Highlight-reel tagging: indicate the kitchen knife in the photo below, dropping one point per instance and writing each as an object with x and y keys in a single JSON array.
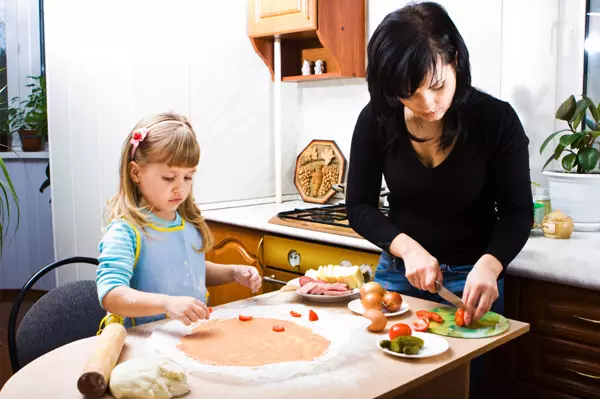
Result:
[{"x": 449, "y": 296}]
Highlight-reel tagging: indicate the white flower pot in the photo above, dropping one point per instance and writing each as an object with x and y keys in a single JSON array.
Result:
[{"x": 577, "y": 195}]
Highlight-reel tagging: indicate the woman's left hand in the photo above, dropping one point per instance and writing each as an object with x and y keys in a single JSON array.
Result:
[
  {"x": 247, "y": 276},
  {"x": 481, "y": 288}
]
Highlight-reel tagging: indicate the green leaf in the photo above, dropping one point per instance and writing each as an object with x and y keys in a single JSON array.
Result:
[
  {"x": 580, "y": 109},
  {"x": 595, "y": 134},
  {"x": 553, "y": 135},
  {"x": 588, "y": 158},
  {"x": 567, "y": 109},
  {"x": 559, "y": 149},
  {"x": 592, "y": 108},
  {"x": 590, "y": 125},
  {"x": 568, "y": 161},
  {"x": 569, "y": 139}
]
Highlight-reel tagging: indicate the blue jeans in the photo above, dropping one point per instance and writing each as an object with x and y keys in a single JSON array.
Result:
[{"x": 390, "y": 273}]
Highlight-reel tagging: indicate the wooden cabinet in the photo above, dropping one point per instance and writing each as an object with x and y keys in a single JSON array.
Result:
[
  {"x": 269, "y": 17},
  {"x": 281, "y": 258},
  {"x": 329, "y": 30},
  {"x": 560, "y": 357},
  {"x": 233, "y": 245}
]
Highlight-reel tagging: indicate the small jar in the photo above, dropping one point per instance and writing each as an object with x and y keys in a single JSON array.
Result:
[
  {"x": 557, "y": 225},
  {"x": 542, "y": 196}
]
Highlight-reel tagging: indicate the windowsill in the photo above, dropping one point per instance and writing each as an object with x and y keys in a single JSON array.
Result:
[{"x": 18, "y": 154}]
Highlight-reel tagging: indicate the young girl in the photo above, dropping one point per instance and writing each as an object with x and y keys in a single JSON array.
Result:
[{"x": 152, "y": 260}]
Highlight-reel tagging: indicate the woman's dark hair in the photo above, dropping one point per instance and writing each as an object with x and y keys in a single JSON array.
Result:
[{"x": 404, "y": 48}]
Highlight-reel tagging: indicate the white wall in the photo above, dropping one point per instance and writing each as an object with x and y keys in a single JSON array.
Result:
[
  {"x": 515, "y": 55},
  {"x": 111, "y": 62},
  {"x": 108, "y": 68}
]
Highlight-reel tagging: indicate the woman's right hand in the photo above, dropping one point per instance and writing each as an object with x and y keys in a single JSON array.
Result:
[
  {"x": 422, "y": 269},
  {"x": 186, "y": 309}
]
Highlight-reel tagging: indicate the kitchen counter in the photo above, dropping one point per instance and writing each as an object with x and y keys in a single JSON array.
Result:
[
  {"x": 257, "y": 217},
  {"x": 574, "y": 262},
  {"x": 367, "y": 374}
]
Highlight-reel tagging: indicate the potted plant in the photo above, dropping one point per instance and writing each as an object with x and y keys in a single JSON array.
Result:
[
  {"x": 30, "y": 118},
  {"x": 575, "y": 190}
]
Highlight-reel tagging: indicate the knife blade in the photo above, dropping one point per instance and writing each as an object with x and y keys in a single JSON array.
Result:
[{"x": 448, "y": 295}]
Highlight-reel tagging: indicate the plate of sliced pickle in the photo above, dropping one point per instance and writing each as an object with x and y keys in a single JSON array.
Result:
[{"x": 417, "y": 345}]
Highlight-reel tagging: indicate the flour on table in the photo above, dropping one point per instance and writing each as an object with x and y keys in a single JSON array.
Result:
[{"x": 340, "y": 329}]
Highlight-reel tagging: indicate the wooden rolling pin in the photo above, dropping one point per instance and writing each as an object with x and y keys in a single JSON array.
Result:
[{"x": 93, "y": 381}]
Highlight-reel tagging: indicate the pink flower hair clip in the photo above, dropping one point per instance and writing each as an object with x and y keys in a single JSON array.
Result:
[{"x": 137, "y": 137}]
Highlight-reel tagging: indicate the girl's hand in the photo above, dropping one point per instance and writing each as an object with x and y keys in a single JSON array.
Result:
[
  {"x": 422, "y": 269},
  {"x": 247, "y": 276},
  {"x": 186, "y": 309},
  {"x": 481, "y": 288}
]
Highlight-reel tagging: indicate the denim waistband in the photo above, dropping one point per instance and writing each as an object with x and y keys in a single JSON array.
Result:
[{"x": 391, "y": 262}]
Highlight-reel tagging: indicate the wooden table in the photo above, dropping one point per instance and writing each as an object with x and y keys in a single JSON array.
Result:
[{"x": 55, "y": 374}]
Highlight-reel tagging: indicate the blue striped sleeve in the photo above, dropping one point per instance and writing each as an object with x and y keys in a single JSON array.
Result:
[{"x": 117, "y": 257}]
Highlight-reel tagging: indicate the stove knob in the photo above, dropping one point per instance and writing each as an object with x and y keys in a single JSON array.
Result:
[{"x": 294, "y": 258}]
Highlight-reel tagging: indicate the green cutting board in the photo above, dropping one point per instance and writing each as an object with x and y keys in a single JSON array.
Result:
[{"x": 489, "y": 325}]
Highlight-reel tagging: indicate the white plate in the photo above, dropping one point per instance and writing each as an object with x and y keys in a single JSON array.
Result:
[
  {"x": 325, "y": 298},
  {"x": 433, "y": 345},
  {"x": 357, "y": 307}
]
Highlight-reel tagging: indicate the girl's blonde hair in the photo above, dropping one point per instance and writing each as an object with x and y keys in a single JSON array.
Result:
[{"x": 174, "y": 144}]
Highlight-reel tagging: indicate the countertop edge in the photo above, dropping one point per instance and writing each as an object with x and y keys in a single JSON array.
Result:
[{"x": 539, "y": 260}]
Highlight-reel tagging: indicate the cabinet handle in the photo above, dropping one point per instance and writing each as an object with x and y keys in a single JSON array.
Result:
[
  {"x": 259, "y": 252},
  {"x": 594, "y": 377},
  {"x": 588, "y": 320}
]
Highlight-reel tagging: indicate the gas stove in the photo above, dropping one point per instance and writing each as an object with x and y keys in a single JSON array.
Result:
[{"x": 328, "y": 219}]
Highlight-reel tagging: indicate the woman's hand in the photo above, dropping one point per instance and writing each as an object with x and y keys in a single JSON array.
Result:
[
  {"x": 422, "y": 269},
  {"x": 186, "y": 309},
  {"x": 481, "y": 288},
  {"x": 247, "y": 276}
]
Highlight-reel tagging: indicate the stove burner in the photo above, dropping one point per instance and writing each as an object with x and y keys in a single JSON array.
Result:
[{"x": 334, "y": 215}]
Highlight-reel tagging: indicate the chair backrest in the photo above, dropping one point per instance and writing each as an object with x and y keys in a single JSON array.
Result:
[{"x": 63, "y": 315}]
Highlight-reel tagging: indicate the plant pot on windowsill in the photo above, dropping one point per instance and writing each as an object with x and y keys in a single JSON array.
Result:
[
  {"x": 30, "y": 140},
  {"x": 576, "y": 190},
  {"x": 578, "y": 196}
]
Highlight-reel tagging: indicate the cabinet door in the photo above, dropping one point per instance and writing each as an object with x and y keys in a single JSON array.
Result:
[
  {"x": 233, "y": 246},
  {"x": 271, "y": 17}
]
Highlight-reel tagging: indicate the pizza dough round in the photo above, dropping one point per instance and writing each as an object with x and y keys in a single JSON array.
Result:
[{"x": 148, "y": 378}]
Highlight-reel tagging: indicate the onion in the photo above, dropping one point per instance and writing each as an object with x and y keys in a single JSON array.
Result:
[
  {"x": 392, "y": 301},
  {"x": 371, "y": 286},
  {"x": 378, "y": 320},
  {"x": 371, "y": 300}
]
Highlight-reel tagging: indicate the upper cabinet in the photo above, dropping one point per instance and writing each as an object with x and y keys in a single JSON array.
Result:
[
  {"x": 332, "y": 31},
  {"x": 270, "y": 17}
]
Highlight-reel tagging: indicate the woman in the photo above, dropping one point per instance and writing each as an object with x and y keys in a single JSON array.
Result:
[{"x": 455, "y": 161}]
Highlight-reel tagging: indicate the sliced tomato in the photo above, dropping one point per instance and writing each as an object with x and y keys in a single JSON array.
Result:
[
  {"x": 209, "y": 309},
  {"x": 278, "y": 328},
  {"x": 421, "y": 324},
  {"x": 312, "y": 316},
  {"x": 436, "y": 317},
  {"x": 295, "y": 314},
  {"x": 398, "y": 330},
  {"x": 459, "y": 318},
  {"x": 244, "y": 318},
  {"x": 430, "y": 315}
]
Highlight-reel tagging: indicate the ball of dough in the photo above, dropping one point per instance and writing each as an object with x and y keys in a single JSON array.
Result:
[{"x": 148, "y": 378}]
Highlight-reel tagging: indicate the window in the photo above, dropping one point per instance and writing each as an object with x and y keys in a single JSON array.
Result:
[{"x": 591, "y": 76}]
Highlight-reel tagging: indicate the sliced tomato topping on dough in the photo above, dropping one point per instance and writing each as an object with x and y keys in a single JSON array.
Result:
[
  {"x": 278, "y": 328},
  {"x": 244, "y": 318}
]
